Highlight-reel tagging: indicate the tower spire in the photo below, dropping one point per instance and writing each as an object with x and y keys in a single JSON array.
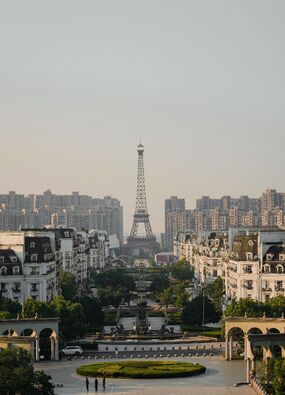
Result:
[{"x": 141, "y": 213}]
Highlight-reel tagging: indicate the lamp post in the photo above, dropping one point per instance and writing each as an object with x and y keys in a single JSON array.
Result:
[{"x": 203, "y": 308}]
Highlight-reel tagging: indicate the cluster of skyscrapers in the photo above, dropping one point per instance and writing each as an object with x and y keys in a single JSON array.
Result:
[
  {"x": 79, "y": 211},
  {"x": 222, "y": 214}
]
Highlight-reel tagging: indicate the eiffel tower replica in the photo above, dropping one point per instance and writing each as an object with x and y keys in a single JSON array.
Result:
[{"x": 141, "y": 246}]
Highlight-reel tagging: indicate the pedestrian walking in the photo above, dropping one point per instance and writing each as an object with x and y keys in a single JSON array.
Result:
[
  {"x": 87, "y": 384},
  {"x": 96, "y": 384},
  {"x": 104, "y": 383}
]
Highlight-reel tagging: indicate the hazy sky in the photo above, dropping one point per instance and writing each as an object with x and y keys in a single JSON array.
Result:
[{"x": 201, "y": 82}]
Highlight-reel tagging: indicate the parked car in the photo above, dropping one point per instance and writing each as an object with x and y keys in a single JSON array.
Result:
[{"x": 72, "y": 350}]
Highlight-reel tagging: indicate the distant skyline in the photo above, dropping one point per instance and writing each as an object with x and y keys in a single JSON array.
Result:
[{"x": 200, "y": 82}]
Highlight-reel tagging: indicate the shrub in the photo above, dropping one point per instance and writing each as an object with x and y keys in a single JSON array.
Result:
[{"x": 141, "y": 369}]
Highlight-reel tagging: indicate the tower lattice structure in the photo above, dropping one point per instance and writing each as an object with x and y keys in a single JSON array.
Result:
[{"x": 141, "y": 215}]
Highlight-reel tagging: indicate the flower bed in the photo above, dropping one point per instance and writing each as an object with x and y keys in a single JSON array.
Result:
[{"x": 141, "y": 369}]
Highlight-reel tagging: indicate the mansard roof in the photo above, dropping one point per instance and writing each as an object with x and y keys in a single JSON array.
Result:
[
  {"x": 40, "y": 246},
  {"x": 275, "y": 251},
  {"x": 10, "y": 258},
  {"x": 244, "y": 244}
]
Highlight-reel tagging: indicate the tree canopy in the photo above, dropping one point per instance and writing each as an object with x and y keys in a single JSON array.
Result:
[
  {"x": 17, "y": 375},
  {"x": 182, "y": 270},
  {"x": 274, "y": 308},
  {"x": 68, "y": 285},
  {"x": 71, "y": 315},
  {"x": 9, "y": 308},
  {"x": 114, "y": 279},
  {"x": 192, "y": 313},
  {"x": 114, "y": 286},
  {"x": 215, "y": 291}
]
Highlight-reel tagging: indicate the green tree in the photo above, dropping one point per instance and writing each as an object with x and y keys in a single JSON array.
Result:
[
  {"x": 17, "y": 376},
  {"x": 92, "y": 310},
  {"x": 5, "y": 315},
  {"x": 72, "y": 318},
  {"x": 243, "y": 307},
  {"x": 278, "y": 381},
  {"x": 111, "y": 296},
  {"x": 34, "y": 307},
  {"x": 159, "y": 282},
  {"x": 275, "y": 307},
  {"x": 9, "y": 306},
  {"x": 182, "y": 271},
  {"x": 192, "y": 313},
  {"x": 166, "y": 296},
  {"x": 181, "y": 297},
  {"x": 68, "y": 285},
  {"x": 215, "y": 291},
  {"x": 115, "y": 279},
  {"x": 71, "y": 315}
]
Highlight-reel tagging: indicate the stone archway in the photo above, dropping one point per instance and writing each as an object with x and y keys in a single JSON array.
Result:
[
  {"x": 48, "y": 344},
  {"x": 235, "y": 334},
  {"x": 257, "y": 351},
  {"x": 28, "y": 330}
]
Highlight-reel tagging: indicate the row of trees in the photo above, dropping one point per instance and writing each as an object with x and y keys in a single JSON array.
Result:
[
  {"x": 75, "y": 316},
  {"x": 274, "y": 307},
  {"x": 114, "y": 287}
]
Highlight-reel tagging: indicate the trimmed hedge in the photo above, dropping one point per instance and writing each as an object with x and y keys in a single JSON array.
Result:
[{"x": 141, "y": 369}]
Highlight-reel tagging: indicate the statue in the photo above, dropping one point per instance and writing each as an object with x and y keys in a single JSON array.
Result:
[{"x": 142, "y": 325}]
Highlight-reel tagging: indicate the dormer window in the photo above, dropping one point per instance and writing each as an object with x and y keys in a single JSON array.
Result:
[
  {"x": 269, "y": 257},
  {"x": 66, "y": 234},
  {"x": 249, "y": 256},
  {"x": 13, "y": 258},
  {"x": 32, "y": 244},
  {"x": 34, "y": 257},
  {"x": 3, "y": 271},
  {"x": 250, "y": 243},
  {"x": 282, "y": 257}
]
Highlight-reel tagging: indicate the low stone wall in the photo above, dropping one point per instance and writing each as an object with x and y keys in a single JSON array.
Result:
[{"x": 112, "y": 346}]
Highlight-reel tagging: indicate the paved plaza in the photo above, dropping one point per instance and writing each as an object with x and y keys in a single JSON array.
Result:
[{"x": 218, "y": 380}]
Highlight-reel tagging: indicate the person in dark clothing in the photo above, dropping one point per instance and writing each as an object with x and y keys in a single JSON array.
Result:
[
  {"x": 104, "y": 383},
  {"x": 87, "y": 384},
  {"x": 96, "y": 384}
]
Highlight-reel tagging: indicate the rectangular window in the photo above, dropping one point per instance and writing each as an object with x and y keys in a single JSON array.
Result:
[
  {"x": 34, "y": 287},
  {"x": 34, "y": 271}
]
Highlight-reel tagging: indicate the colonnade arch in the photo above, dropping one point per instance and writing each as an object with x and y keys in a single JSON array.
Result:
[
  {"x": 255, "y": 328},
  {"x": 36, "y": 329}
]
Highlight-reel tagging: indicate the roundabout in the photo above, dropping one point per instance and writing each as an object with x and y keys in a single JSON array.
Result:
[{"x": 141, "y": 369}]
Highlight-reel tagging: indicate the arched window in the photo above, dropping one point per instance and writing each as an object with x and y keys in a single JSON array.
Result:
[
  {"x": 3, "y": 271},
  {"x": 267, "y": 269}
]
